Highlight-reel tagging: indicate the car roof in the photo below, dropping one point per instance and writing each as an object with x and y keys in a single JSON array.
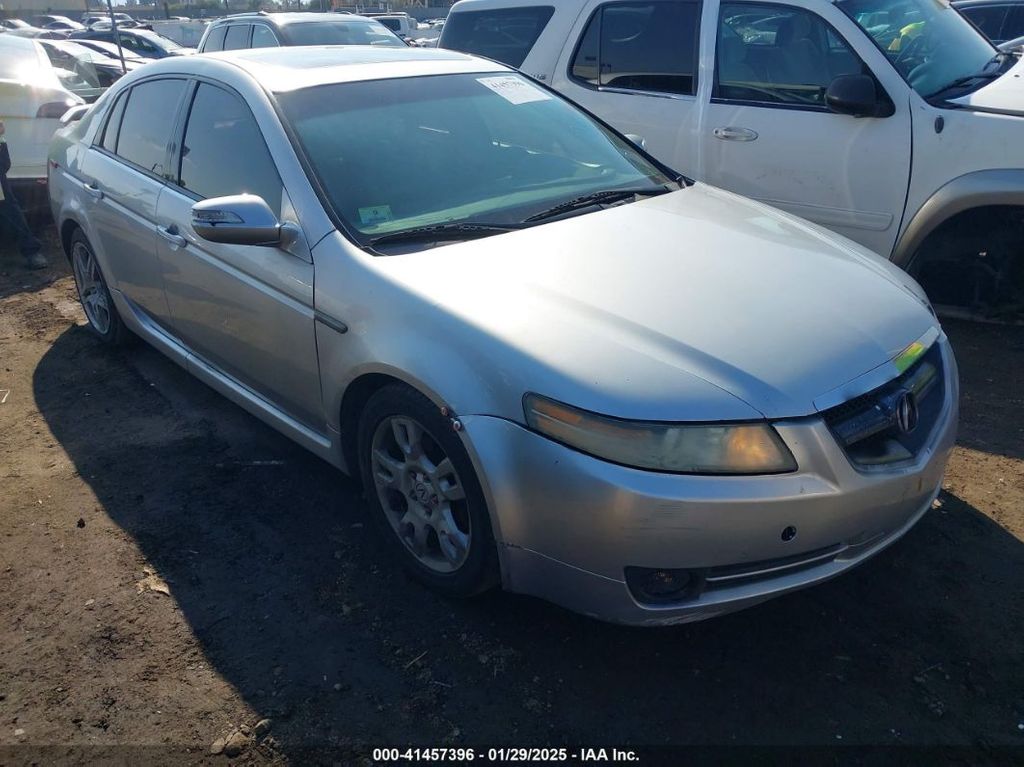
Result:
[
  {"x": 292, "y": 68},
  {"x": 284, "y": 19},
  {"x": 16, "y": 41},
  {"x": 984, "y": 3}
]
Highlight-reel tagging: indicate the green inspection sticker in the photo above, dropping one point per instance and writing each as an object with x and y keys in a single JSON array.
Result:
[{"x": 377, "y": 214}]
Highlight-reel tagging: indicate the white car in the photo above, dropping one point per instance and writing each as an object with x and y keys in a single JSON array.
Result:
[
  {"x": 32, "y": 101},
  {"x": 893, "y": 122}
]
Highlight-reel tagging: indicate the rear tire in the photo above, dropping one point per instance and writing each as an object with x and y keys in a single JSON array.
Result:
[
  {"x": 424, "y": 495},
  {"x": 103, "y": 320}
]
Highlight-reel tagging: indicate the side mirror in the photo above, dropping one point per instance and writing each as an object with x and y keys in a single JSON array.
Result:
[
  {"x": 240, "y": 219},
  {"x": 640, "y": 141},
  {"x": 857, "y": 95},
  {"x": 74, "y": 114}
]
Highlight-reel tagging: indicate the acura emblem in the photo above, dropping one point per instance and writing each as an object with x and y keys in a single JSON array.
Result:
[{"x": 906, "y": 412}]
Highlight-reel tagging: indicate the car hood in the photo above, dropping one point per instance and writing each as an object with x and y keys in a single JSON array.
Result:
[
  {"x": 1004, "y": 95},
  {"x": 694, "y": 305}
]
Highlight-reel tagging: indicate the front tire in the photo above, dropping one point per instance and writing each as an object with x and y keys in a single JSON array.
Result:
[
  {"x": 103, "y": 320},
  {"x": 425, "y": 496}
]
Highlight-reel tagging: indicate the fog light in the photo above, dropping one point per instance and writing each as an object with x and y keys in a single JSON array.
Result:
[{"x": 659, "y": 586}]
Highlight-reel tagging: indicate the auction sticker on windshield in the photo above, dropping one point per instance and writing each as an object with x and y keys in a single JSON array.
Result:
[{"x": 515, "y": 90}]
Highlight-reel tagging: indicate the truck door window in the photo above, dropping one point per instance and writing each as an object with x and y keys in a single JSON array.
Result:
[
  {"x": 648, "y": 46},
  {"x": 506, "y": 35},
  {"x": 778, "y": 55}
]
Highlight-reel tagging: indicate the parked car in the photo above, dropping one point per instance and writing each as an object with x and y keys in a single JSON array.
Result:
[
  {"x": 110, "y": 50},
  {"x": 401, "y": 24},
  {"x": 95, "y": 71},
  {"x": 999, "y": 20},
  {"x": 19, "y": 28},
  {"x": 88, "y": 19},
  {"x": 265, "y": 30},
  {"x": 555, "y": 363},
  {"x": 145, "y": 43},
  {"x": 32, "y": 100},
  {"x": 57, "y": 23},
  {"x": 892, "y": 122}
]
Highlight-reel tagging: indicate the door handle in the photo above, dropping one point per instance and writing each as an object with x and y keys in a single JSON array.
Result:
[
  {"x": 94, "y": 191},
  {"x": 730, "y": 133},
  {"x": 170, "y": 233}
]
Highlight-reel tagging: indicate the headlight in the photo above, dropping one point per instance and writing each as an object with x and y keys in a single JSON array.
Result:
[{"x": 742, "y": 448}]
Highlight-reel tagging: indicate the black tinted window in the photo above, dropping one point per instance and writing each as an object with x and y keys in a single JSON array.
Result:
[
  {"x": 989, "y": 19},
  {"x": 114, "y": 124},
  {"x": 641, "y": 46},
  {"x": 505, "y": 35},
  {"x": 224, "y": 152},
  {"x": 147, "y": 123},
  {"x": 1013, "y": 27},
  {"x": 237, "y": 37},
  {"x": 215, "y": 40}
]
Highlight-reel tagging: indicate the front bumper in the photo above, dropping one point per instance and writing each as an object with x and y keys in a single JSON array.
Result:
[{"x": 568, "y": 524}]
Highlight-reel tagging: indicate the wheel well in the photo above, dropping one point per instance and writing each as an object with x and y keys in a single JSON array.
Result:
[
  {"x": 354, "y": 400},
  {"x": 67, "y": 231},
  {"x": 972, "y": 261}
]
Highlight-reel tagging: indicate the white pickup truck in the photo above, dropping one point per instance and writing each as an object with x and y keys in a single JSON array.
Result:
[{"x": 893, "y": 122}]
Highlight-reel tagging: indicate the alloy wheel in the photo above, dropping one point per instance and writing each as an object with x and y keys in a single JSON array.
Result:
[
  {"x": 421, "y": 494},
  {"x": 91, "y": 289}
]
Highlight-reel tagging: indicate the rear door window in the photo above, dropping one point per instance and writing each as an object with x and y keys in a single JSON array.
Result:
[
  {"x": 147, "y": 122},
  {"x": 506, "y": 35},
  {"x": 648, "y": 46},
  {"x": 237, "y": 37},
  {"x": 263, "y": 37},
  {"x": 215, "y": 40}
]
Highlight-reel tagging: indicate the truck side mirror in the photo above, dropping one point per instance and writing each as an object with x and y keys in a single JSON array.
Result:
[{"x": 858, "y": 95}]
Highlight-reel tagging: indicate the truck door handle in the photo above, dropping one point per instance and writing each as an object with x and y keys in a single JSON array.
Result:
[
  {"x": 94, "y": 191},
  {"x": 170, "y": 233},
  {"x": 730, "y": 133}
]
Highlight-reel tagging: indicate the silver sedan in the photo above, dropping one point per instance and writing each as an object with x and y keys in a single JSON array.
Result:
[{"x": 554, "y": 363}]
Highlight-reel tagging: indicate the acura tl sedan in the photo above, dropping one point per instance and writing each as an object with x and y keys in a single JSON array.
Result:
[{"x": 554, "y": 363}]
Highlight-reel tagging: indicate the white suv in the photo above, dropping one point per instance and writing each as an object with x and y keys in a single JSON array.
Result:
[{"x": 893, "y": 122}]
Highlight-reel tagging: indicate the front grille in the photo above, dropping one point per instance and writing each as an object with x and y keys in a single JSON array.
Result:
[{"x": 869, "y": 427}]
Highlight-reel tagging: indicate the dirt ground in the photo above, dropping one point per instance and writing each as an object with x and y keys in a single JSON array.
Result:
[{"x": 173, "y": 572}]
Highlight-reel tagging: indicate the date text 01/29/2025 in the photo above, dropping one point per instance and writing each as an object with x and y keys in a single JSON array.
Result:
[{"x": 504, "y": 754}]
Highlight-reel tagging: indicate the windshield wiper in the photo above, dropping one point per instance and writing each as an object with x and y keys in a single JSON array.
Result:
[
  {"x": 595, "y": 198},
  {"x": 439, "y": 232},
  {"x": 968, "y": 79}
]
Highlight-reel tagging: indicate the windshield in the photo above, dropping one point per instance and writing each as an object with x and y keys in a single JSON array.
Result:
[
  {"x": 930, "y": 43},
  {"x": 342, "y": 33},
  {"x": 395, "y": 155}
]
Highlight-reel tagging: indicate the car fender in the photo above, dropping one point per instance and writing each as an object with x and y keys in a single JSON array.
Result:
[{"x": 997, "y": 186}]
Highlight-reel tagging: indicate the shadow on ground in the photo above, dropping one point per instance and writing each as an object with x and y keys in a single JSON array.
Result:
[{"x": 293, "y": 601}]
